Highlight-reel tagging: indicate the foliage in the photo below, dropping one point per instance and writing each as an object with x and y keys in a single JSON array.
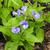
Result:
[{"x": 30, "y": 31}]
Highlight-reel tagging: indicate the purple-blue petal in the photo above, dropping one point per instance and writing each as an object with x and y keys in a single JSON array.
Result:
[
  {"x": 14, "y": 13},
  {"x": 33, "y": 12},
  {"x": 24, "y": 24},
  {"x": 37, "y": 16},
  {"x": 18, "y": 12},
  {"x": 24, "y": 8},
  {"x": 15, "y": 30}
]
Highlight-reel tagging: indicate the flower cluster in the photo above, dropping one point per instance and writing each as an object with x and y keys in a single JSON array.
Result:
[
  {"x": 18, "y": 12},
  {"x": 22, "y": 23}
]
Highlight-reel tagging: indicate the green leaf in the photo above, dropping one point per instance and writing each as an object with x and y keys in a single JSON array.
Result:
[
  {"x": 29, "y": 30},
  {"x": 11, "y": 46},
  {"x": 48, "y": 17},
  {"x": 41, "y": 19},
  {"x": 14, "y": 21},
  {"x": 0, "y": 5},
  {"x": 5, "y": 15},
  {"x": 5, "y": 12},
  {"x": 28, "y": 47},
  {"x": 16, "y": 3},
  {"x": 40, "y": 8},
  {"x": 40, "y": 34},
  {"x": 31, "y": 39},
  {"x": 44, "y": 1},
  {"x": 2, "y": 29},
  {"x": 7, "y": 31},
  {"x": 1, "y": 0}
]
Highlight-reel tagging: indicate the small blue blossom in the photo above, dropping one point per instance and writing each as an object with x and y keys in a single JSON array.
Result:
[
  {"x": 14, "y": 13},
  {"x": 37, "y": 15},
  {"x": 33, "y": 12},
  {"x": 18, "y": 12},
  {"x": 24, "y": 8},
  {"x": 24, "y": 24},
  {"x": 15, "y": 30}
]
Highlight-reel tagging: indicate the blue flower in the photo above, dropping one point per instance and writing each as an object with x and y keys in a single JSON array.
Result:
[
  {"x": 37, "y": 15},
  {"x": 14, "y": 13},
  {"x": 24, "y": 24},
  {"x": 33, "y": 12},
  {"x": 15, "y": 30},
  {"x": 24, "y": 8},
  {"x": 18, "y": 12}
]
